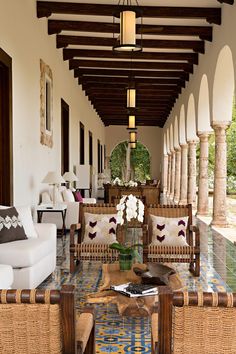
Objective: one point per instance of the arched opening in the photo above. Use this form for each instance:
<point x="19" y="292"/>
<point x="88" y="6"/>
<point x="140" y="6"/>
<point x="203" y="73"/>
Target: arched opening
<point x="191" y="119"/>
<point x="223" y="87"/>
<point x="127" y="163"/>
<point x="224" y="110"/>
<point x="182" y="126"/>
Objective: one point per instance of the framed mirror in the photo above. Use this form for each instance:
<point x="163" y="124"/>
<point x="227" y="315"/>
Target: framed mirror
<point x="46" y="99"/>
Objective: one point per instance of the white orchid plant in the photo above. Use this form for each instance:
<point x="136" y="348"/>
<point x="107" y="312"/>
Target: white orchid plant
<point x="129" y="208"/>
<point x="118" y="182"/>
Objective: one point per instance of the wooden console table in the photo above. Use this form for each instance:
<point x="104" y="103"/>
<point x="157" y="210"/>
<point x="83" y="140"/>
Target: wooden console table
<point x="150" y="193"/>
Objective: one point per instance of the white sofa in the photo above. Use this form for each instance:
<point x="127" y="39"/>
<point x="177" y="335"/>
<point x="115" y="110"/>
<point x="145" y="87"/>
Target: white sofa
<point x="6" y="276"/>
<point x="72" y="212"/>
<point x="33" y="259"/>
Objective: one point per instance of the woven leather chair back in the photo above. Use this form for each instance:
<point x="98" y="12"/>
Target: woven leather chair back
<point x="27" y="326"/>
<point x="197" y="322"/>
<point x="206" y="325"/>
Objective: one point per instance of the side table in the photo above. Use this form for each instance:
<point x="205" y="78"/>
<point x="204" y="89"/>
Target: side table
<point x="58" y="208"/>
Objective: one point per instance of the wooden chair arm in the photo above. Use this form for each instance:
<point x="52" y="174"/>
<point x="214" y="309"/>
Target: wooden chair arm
<point x="195" y="229"/>
<point x="145" y="235"/>
<point x="85" y="331"/>
<point x="73" y="229"/>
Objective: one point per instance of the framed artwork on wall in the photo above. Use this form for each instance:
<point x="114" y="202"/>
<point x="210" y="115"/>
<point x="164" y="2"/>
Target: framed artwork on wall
<point x="46" y="99"/>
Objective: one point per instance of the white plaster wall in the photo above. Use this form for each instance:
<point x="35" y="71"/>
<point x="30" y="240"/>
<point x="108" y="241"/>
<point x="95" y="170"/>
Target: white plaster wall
<point x="24" y="37"/>
<point x="151" y="137"/>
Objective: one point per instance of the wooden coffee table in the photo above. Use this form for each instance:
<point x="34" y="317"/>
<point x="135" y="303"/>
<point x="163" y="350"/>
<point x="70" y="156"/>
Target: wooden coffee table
<point x="138" y="306"/>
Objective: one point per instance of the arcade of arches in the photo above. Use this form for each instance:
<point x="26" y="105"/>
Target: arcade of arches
<point x="207" y="110"/>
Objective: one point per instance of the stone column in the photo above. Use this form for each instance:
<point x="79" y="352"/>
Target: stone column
<point x="169" y="175"/>
<point x="177" y="174"/>
<point x="184" y="174"/>
<point x="172" y="186"/>
<point x="165" y="173"/>
<point x="192" y="172"/>
<point x="220" y="175"/>
<point x="202" y="202"/>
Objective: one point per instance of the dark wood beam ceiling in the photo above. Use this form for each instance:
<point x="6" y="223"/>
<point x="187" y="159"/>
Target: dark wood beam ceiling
<point x="159" y="72"/>
<point x="151" y="65"/>
<point x="56" y="26"/>
<point x="196" y="45"/>
<point x="46" y="9"/>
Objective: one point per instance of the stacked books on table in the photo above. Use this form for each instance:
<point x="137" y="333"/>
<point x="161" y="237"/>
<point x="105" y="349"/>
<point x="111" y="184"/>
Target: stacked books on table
<point x="135" y="290"/>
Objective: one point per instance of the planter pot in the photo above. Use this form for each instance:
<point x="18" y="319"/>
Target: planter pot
<point x="126" y="261"/>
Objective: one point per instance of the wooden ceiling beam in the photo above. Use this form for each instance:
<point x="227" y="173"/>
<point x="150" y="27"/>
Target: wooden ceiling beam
<point x="140" y="80"/>
<point x="123" y="94"/>
<point x="197" y="46"/>
<point x="56" y="26"/>
<point x="104" y="54"/>
<point x="77" y="63"/>
<point x="105" y="87"/>
<point x="126" y="73"/>
<point x="229" y="2"/>
<point x="139" y="102"/>
<point x="46" y="9"/>
<point x="152" y="123"/>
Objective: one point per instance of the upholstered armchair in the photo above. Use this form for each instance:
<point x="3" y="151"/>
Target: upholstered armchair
<point x="44" y="321"/>
<point x="194" y="322"/>
<point x="81" y="248"/>
<point x="170" y="236"/>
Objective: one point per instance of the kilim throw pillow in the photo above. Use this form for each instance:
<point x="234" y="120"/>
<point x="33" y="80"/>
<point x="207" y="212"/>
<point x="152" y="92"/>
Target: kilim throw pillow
<point x="100" y="228"/>
<point x="169" y="231"/>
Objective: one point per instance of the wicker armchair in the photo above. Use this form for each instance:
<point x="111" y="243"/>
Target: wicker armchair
<point x="44" y="321"/>
<point x="97" y="252"/>
<point x="183" y="254"/>
<point x="194" y="322"/>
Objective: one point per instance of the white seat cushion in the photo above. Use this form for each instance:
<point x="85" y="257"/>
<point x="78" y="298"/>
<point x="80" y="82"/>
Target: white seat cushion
<point x="68" y="195"/>
<point x="26" y="253"/>
<point x="6" y="276"/>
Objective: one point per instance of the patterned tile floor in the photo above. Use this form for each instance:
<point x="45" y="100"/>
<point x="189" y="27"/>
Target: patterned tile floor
<point x="117" y="334"/>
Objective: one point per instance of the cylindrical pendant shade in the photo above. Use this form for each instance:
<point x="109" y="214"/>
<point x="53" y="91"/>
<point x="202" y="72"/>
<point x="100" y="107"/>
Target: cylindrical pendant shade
<point x="131" y="98"/>
<point x="131" y="122"/>
<point x="127" y="28"/>
<point x="127" y="32"/>
<point x="132" y="137"/>
<point x="133" y="145"/>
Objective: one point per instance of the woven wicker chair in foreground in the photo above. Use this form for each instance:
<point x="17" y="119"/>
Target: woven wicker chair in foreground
<point x="194" y="323"/>
<point x="183" y="254"/>
<point x="44" y="321"/>
<point x="97" y="252"/>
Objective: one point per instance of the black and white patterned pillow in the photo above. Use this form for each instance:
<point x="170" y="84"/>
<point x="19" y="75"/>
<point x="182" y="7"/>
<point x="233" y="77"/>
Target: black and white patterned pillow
<point x="11" y="228"/>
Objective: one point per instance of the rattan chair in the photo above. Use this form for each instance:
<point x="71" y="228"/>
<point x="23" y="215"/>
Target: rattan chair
<point x="80" y="251"/>
<point x="44" y="321"/>
<point x="194" y="323"/>
<point x="183" y="254"/>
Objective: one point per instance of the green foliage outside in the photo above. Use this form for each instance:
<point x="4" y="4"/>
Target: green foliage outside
<point x="139" y="161"/>
<point x="231" y="153"/>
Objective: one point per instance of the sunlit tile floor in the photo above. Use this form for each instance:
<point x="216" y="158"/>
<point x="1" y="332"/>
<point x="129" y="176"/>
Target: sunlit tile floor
<point x="117" y="334"/>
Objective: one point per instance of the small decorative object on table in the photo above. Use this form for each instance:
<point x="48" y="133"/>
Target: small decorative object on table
<point x="129" y="208"/>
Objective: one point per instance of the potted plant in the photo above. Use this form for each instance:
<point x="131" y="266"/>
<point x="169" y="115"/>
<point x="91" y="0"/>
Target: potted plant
<point x="127" y="254"/>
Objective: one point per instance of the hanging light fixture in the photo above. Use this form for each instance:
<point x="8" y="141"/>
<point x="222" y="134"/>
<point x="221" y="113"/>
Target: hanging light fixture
<point x="132" y="139"/>
<point x="131" y="97"/>
<point x="131" y="125"/>
<point x="133" y="145"/>
<point x="127" y="38"/>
